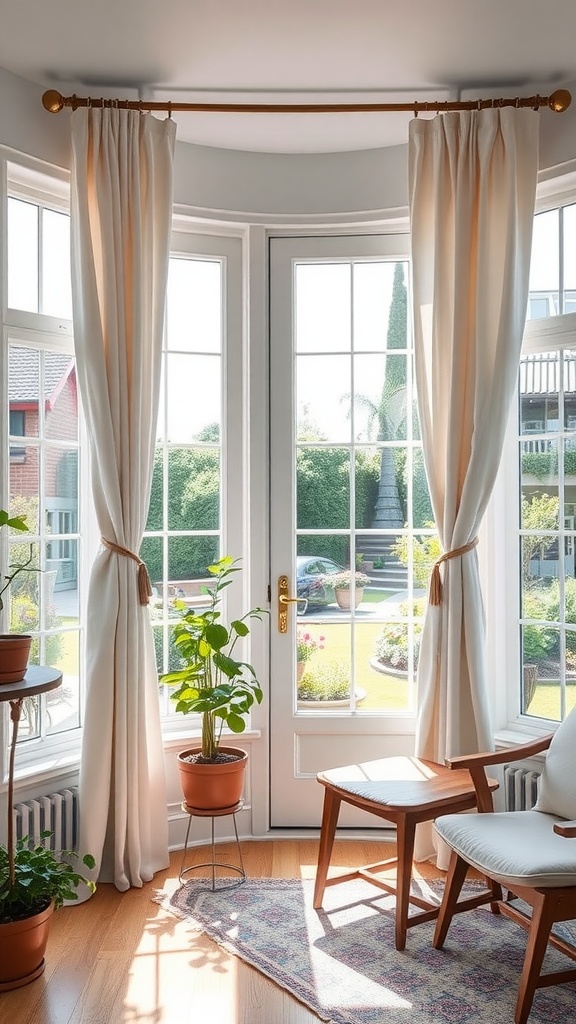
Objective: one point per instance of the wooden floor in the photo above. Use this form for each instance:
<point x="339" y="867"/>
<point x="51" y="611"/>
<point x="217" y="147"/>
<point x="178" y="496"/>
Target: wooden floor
<point x="120" y="958"/>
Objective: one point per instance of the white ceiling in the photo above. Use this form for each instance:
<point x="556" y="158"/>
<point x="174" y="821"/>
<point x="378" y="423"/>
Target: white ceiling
<point x="284" y="51"/>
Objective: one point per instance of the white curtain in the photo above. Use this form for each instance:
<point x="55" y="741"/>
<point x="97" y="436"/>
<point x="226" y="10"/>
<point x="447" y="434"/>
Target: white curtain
<point x="122" y="171"/>
<point x="472" y="181"/>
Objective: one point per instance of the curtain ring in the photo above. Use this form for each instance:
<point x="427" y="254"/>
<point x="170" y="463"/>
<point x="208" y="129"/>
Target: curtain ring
<point x="169" y="110"/>
<point x="517" y="103"/>
<point x="478" y="105"/>
<point x="415" y="108"/>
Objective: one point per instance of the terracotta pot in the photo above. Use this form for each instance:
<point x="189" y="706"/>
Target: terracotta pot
<point x="343" y="597"/>
<point x="300" y="666"/>
<point x="22" y="947"/>
<point x="14" y="654"/>
<point x="212" y="786"/>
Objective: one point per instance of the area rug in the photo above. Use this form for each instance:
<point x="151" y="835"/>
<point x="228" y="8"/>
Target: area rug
<point x="342" y="964"/>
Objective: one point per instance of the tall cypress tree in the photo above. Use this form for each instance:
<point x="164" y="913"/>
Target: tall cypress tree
<point x="388" y="511"/>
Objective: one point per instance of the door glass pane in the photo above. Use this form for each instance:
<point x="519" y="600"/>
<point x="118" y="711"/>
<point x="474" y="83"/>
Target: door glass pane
<point x="323" y="389"/>
<point x="323" y="305"/>
<point x="322" y="488"/>
<point x="377" y="287"/>
<point x="354" y="565"/>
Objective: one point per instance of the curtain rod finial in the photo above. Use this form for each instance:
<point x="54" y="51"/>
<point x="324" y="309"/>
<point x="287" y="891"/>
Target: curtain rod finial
<point x="560" y="100"/>
<point x="53" y="101"/>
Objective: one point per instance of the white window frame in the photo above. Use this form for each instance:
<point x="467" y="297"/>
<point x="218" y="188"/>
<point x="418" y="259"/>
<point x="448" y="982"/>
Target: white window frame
<point x="33" y="181"/>
<point x="500" y="555"/>
<point x="189" y="241"/>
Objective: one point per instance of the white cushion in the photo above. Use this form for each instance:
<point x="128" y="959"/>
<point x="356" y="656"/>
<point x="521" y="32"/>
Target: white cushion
<point x="557" y="788"/>
<point x="512" y="846"/>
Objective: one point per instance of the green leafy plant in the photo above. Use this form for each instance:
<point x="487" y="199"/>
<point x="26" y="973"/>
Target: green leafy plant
<point x="14" y="569"/>
<point x="38" y="876"/>
<point x="212" y="682"/>
<point x="346" y="580"/>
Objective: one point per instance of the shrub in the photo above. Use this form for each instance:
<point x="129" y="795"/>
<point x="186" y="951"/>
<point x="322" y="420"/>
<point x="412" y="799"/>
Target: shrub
<point x="328" y="681"/>
<point x="392" y="643"/>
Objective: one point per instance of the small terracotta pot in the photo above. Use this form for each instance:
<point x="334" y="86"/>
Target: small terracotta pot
<point x="212" y="786"/>
<point x="14" y="654"/>
<point x="22" y="947"/>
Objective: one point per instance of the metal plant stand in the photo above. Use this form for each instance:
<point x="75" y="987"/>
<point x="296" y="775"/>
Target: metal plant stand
<point x="197" y="812"/>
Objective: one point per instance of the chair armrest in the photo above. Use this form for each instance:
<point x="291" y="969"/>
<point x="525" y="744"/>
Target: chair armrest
<point x="566" y="829"/>
<point x="500" y="756"/>
<point x="476" y="763"/>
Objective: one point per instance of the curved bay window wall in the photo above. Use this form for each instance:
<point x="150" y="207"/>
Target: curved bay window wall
<point x="547" y="472"/>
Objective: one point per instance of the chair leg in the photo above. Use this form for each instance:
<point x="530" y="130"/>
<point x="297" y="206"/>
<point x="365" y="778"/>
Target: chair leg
<point x="457" y="870"/>
<point x="327" y="832"/>
<point x="538" y="934"/>
<point x="405" y="834"/>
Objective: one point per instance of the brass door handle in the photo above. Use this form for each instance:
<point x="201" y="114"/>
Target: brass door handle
<point x="283" y="601"/>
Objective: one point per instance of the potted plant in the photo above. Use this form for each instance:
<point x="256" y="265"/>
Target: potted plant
<point x="218" y="687"/>
<point x="14" y="647"/>
<point x="306" y="646"/>
<point x="34" y="882"/>
<point x="346" y="581"/>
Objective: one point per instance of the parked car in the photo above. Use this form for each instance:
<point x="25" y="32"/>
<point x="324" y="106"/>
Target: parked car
<point x="310" y="570"/>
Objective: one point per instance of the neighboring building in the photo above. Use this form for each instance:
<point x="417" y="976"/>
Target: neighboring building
<point x="51" y="382"/>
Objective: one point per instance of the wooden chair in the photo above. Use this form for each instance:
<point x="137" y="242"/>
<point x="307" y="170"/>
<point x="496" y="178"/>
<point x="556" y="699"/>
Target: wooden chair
<point x="404" y="791"/>
<point x="531" y="853"/>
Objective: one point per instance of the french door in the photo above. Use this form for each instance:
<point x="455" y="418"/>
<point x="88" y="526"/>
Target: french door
<point x="347" y="495"/>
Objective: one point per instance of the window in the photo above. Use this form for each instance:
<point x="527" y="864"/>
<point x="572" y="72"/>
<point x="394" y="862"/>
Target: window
<point x="17" y="428"/>
<point x="545" y="473"/>
<point x="186" y="529"/>
<point x="43" y="473"/>
<point x="553" y="264"/>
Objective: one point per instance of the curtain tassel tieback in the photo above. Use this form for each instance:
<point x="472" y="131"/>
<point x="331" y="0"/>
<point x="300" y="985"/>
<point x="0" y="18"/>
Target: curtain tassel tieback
<point x="144" y="585"/>
<point x="435" y="594"/>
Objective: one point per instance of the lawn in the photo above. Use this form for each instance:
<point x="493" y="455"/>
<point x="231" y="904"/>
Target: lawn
<point x="546" y="701"/>
<point x="383" y="692"/>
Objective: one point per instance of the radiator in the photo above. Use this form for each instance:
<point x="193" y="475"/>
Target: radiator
<point x="57" y="812"/>
<point x="520" y="788"/>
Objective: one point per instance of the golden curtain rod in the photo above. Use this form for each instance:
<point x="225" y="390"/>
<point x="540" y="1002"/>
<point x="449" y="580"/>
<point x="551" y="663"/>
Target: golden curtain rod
<point x="560" y="100"/>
